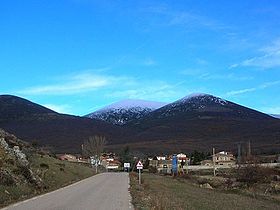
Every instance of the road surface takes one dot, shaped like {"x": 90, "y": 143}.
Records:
{"x": 103, "y": 191}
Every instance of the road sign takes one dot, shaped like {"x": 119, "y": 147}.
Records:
{"x": 174, "y": 164}
{"x": 139, "y": 165}
{"x": 126, "y": 165}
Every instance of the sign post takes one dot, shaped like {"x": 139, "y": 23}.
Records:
{"x": 214, "y": 160}
{"x": 139, "y": 167}
{"x": 174, "y": 165}
{"x": 126, "y": 166}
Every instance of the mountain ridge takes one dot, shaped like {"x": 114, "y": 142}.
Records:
{"x": 121, "y": 112}
{"x": 195, "y": 122}
{"x": 208, "y": 121}
{"x": 35, "y": 123}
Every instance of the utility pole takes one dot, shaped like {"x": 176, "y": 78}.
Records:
{"x": 214, "y": 160}
{"x": 96, "y": 164}
{"x": 249, "y": 148}
{"x": 239, "y": 152}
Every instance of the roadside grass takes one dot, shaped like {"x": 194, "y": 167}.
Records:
{"x": 164, "y": 192}
{"x": 54, "y": 173}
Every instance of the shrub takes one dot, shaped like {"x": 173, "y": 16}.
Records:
{"x": 44, "y": 166}
{"x": 152, "y": 169}
{"x": 10, "y": 161}
{"x": 60, "y": 164}
{"x": 252, "y": 174}
{"x": 186, "y": 176}
{"x": 6, "y": 178}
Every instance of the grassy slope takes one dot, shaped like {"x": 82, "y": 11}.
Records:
{"x": 54, "y": 173}
{"x": 159, "y": 192}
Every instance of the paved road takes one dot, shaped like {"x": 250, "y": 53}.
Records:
{"x": 104, "y": 191}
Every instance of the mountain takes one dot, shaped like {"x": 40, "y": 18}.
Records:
{"x": 200, "y": 105}
{"x": 195, "y": 122}
{"x": 63, "y": 133}
{"x": 121, "y": 112}
{"x": 13, "y": 107}
{"x": 201, "y": 121}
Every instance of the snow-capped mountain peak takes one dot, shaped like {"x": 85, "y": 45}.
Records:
{"x": 194, "y": 95}
{"x": 196, "y": 102}
{"x": 121, "y": 112}
{"x": 133, "y": 103}
{"x": 201, "y": 98}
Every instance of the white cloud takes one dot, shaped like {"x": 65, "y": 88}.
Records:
{"x": 151, "y": 90}
{"x": 268, "y": 84}
{"x": 193, "y": 20}
{"x": 270, "y": 58}
{"x": 246, "y": 90}
{"x": 77, "y": 83}
{"x": 200, "y": 74}
{"x": 65, "y": 108}
{"x": 149, "y": 62}
{"x": 192, "y": 72}
{"x": 233, "y": 66}
{"x": 118, "y": 87}
{"x": 271, "y": 110}
{"x": 231, "y": 76}
{"x": 202, "y": 62}
{"x": 238, "y": 92}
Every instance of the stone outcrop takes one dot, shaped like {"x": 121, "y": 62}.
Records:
{"x": 11, "y": 146}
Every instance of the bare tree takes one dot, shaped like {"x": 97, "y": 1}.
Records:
{"x": 94, "y": 146}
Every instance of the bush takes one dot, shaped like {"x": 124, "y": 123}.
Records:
{"x": 152, "y": 169}
{"x": 10, "y": 161}
{"x": 44, "y": 166}
{"x": 6, "y": 178}
{"x": 252, "y": 174}
{"x": 61, "y": 164}
{"x": 186, "y": 176}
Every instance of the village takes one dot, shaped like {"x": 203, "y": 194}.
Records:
{"x": 162, "y": 164}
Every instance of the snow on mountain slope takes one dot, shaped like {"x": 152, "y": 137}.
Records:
{"x": 132, "y": 103}
{"x": 203, "y": 98}
{"x": 121, "y": 112}
{"x": 196, "y": 101}
{"x": 203, "y": 106}
{"x": 275, "y": 115}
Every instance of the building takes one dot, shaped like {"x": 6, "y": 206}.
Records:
{"x": 109, "y": 161}
{"x": 113, "y": 165}
{"x": 183, "y": 159}
{"x": 68, "y": 157}
{"x": 224, "y": 158}
{"x": 220, "y": 158}
{"x": 163, "y": 164}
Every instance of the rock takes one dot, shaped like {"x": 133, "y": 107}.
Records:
{"x": 22, "y": 163}
{"x": 236, "y": 184}
{"x": 21, "y": 157}
{"x": 6, "y": 178}
{"x": 276, "y": 178}
{"x": 277, "y": 188}
{"x": 206, "y": 186}
{"x": 4, "y": 144}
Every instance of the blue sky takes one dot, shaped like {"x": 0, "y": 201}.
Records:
{"x": 76, "y": 56}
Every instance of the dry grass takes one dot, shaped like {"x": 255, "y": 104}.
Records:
{"x": 161, "y": 192}
{"x": 53, "y": 172}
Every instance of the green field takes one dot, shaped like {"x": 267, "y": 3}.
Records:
{"x": 164, "y": 192}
